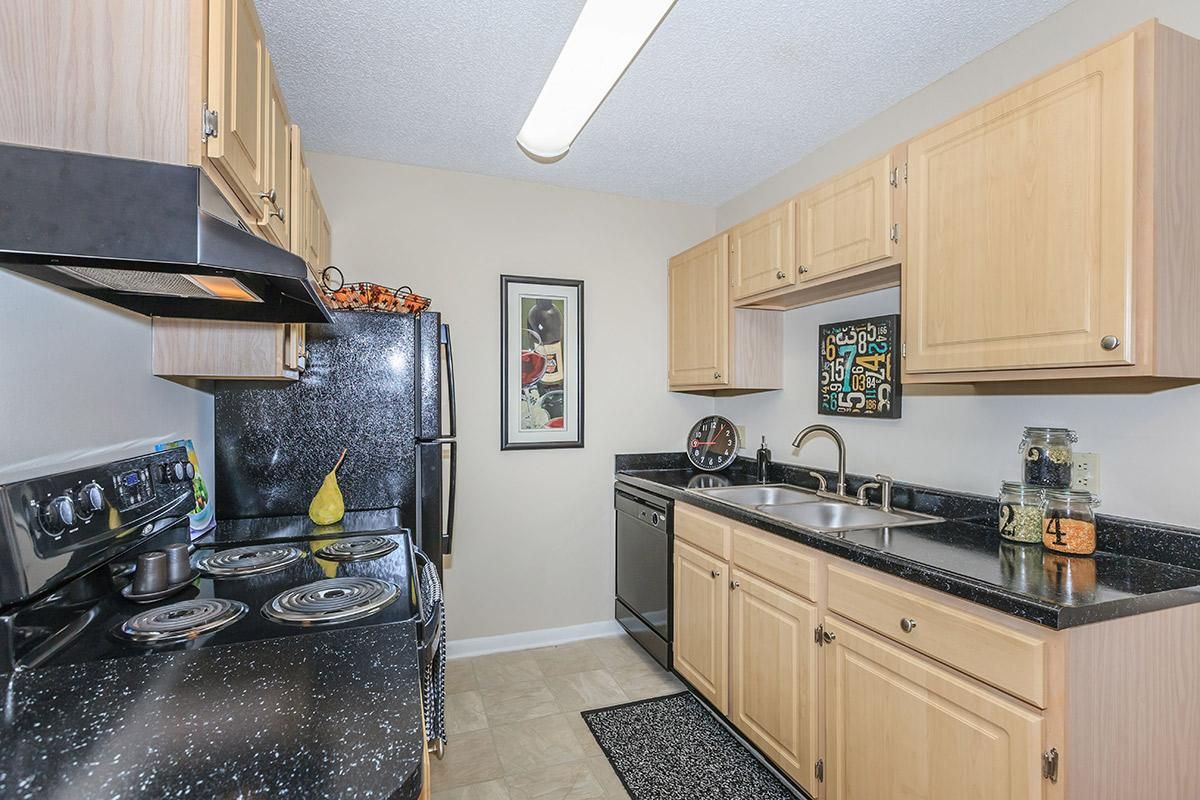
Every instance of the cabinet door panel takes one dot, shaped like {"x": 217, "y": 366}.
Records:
{"x": 701, "y": 643}
{"x": 699, "y": 313}
{"x": 1020, "y": 226}
{"x": 762, "y": 252}
{"x": 773, "y": 674}
{"x": 237, "y": 91}
{"x": 847, "y": 222}
{"x": 901, "y": 728}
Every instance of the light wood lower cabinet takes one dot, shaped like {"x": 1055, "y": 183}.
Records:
{"x": 701, "y": 622}
{"x": 773, "y": 674}
{"x": 900, "y": 726}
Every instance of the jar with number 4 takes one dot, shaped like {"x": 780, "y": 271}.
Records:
{"x": 1069, "y": 522}
{"x": 1021, "y": 512}
{"x": 1047, "y": 454}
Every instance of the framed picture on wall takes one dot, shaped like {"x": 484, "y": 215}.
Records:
{"x": 541, "y": 363}
{"x": 858, "y": 371}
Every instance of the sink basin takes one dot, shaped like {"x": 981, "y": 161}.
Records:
{"x": 759, "y": 495}
{"x": 831, "y": 516}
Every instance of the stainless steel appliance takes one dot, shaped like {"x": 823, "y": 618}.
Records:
{"x": 380, "y": 385}
{"x": 644, "y": 552}
{"x": 158, "y": 239}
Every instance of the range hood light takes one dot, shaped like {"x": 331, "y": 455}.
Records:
{"x": 606, "y": 38}
{"x": 222, "y": 288}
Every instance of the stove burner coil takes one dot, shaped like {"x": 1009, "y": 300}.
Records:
{"x": 255, "y": 560}
{"x": 330, "y": 601}
{"x": 358, "y": 548}
{"x": 184, "y": 620}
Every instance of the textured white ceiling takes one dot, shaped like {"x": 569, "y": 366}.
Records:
{"x": 725, "y": 94}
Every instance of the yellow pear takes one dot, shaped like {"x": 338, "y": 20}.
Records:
{"x": 327, "y": 506}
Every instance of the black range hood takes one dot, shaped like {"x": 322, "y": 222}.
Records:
{"x": 158, "y": 239}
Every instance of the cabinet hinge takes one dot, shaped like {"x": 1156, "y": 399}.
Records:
{"x": 819, "y": 770}
{"x": 894, "y": 177}
{"x": 1050, "y": 765}
{"x": 904, "y": 171}
{"x": 208, "y": 124}
{"x": 894, "y": 234}
{"x": 904, "y": 349}
{"x": 817, "y": 634}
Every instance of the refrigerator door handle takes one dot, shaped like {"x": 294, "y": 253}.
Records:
{"x": 448, "y": 348}
{"x": 448, "y": 534}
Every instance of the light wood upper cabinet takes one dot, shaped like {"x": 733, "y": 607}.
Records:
{"x": 698, "y": 308}
{"x": 1046, "y": 227}
{"x": 898, "y": 725}
{"x": 276, "y": 219}
{"x": 849, "y": 221}
{"x": 701, "y": 622}
{"x": 238, "y": 87}
{"x": 773, "y": 674}
{"x": 713, "y": 346}
{"x": 762, "y": 252}
{"x": 229, "y": 350}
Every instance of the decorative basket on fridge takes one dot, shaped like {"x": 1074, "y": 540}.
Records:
{"x": 366, "y": 296}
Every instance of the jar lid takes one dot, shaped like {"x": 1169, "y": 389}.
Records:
{"x": 1037, "y": 431}
{"x": 1016, "y": 487}
{"x": 1071, "y": 496}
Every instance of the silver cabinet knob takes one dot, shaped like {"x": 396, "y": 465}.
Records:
{"x": 734, "y": 585}
{"x": 268, "y": 196}
{"x": 716, "y": 376}
{"x": 908, "y": 624}
{"x": 829, "y": 636}
{"x": 278, "y": 213}
{"x": 803, "y": 269}
{"x": 716, "y": 573}
{"x": 780, "y": 274}
{"x": 1110, "y": 342}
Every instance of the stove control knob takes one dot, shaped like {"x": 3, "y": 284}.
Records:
{"x": 57, "y": 515}
{"x": 180, "y": 471}
{"x": 90, "y": 500}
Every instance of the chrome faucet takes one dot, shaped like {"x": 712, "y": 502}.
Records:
{"x": 841, "y": 446}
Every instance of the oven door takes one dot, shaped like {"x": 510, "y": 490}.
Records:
{"x": 644, "y": 570}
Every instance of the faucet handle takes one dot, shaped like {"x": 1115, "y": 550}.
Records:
{"x": 822, "y": 485}
{"x": 862, "y": 491}
{"x": 886, "y": 482}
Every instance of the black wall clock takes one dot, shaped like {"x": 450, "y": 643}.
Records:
{"x": 712, "y": 443}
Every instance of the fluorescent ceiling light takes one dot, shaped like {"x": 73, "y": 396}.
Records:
{"x": 605, "y": 40}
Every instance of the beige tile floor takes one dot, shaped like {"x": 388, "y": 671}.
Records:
{"x": 514, "y": 725}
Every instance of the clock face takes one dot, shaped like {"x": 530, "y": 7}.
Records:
{"x": 712, "y": 443}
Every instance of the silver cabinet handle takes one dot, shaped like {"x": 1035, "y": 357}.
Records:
{"x": 780, "y": 275}
{"x": 1110, "y": 342}
{"x": 716, "y": 573}
{"x": 734, "y": 584}
{"x": 716, "y": 376}
{"x": 278, "y": 213}
{"x": 908, "y": 624}
{"x": 829, "y": 637}
{"x": 268, "y": 196}
{"x": 803, "y": 269}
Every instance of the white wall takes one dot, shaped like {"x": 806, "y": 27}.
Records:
{"x": 76, "y": 386}
{"x": 534, "y": 541}
{"x": 964, "y": 438}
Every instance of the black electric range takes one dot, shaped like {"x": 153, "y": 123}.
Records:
{"x": 284, "y": 665}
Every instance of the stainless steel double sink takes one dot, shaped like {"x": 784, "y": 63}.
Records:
{"x": 807, "y": 510}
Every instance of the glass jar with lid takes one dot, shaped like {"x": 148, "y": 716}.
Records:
{"x": 1047, "y": 455}
{"x": 1021, "y": 511}
{"x": 1069, "y": 522}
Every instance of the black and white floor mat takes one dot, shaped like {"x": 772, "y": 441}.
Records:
{"x": 671, "y": 748}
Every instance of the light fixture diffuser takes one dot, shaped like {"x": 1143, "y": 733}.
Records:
{"x": 606, "y": 38}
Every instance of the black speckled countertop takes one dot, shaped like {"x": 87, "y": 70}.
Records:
{"x": 965, "y": 555}
{"x": 277, "y": 718}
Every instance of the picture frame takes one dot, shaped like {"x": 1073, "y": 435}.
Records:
{"x": 541, "y": 363}
{"x": 858, "y": 368}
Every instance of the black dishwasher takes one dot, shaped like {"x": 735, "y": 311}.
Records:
{"x": 643, "y": 604}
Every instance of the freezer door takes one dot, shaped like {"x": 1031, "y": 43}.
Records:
{"x": 429, "y": 376}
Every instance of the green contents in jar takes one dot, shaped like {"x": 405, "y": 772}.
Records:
{"x": 1021, "y": 523}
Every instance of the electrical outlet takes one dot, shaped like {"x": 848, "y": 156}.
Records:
{"x": 741, "y": 430}
{"x": 1085, "y": 473}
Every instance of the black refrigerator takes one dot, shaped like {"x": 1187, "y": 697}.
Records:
{"x": 381, "y": 386}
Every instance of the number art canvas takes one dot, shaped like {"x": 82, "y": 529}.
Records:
{"x": 858, "y": 368}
